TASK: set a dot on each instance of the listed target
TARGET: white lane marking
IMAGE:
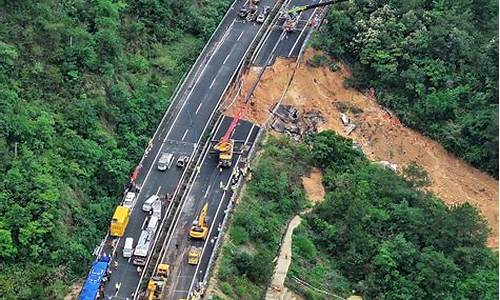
(185, 133)
(227, 57)
(303, 30)
(199, 105)
(118, 286)
(144, 223)
(207, 191)
(213, 81)
(249, 134)
(158, 191)
(239, 37)
(282, 37)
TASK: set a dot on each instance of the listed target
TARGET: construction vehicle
(157, 283)
(292, 15)
(194, 255)
(199, 230)
(119, 221)
(225, 146)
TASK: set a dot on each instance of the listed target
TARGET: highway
(212, 186)
(289, 45)
(180, 132)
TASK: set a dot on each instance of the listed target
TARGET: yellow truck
(194, 255)
(120, 221)
(157, 284)
(225, 148)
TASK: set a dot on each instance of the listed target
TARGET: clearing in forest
(381, 136)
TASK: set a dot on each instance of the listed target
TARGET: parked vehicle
(182, 161)
(165, 161)
(261, 18)
(142, 249)
(243, 13)
(128, 248)
(129, 200)
(119, 221)
(95, 279)
(152, 224)
(148, 204)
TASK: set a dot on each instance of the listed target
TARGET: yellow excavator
(194, 255)
(157, 283)
(199, 230)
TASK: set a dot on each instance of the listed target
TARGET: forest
(377, 233)
(433, 63)
(83, 85)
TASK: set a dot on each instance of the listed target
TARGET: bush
(318, 60)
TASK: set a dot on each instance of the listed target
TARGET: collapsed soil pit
(377, 132)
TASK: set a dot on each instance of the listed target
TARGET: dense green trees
(82, 87)
(376, 234)
(435, 63)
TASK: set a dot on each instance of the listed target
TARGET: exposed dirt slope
(380, 136)
(313, 186)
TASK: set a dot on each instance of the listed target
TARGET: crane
(225, 146)
(199, 230)
(291, 14)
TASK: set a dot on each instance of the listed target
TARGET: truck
(156, 208)
(120, 221)
(165, 161)
(194, 255)
(157, 283)
(142, 249)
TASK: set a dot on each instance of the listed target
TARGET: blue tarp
(93, 281)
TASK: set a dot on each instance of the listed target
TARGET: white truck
(142, 248)
(165, 161)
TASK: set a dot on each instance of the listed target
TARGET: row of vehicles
(251, 12)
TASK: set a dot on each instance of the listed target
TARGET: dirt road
(381, 136)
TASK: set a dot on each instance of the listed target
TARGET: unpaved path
(380, 136)
(277, 290)
(315, 193)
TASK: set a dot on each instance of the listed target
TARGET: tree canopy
(82, 86)
(435, 63)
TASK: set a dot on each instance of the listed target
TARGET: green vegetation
(375, 233)
(82, 86)
(270, 199)
(435, 63)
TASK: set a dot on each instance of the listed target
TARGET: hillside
(82, 86)
(434, 63)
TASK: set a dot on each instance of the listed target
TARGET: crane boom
(298, 9)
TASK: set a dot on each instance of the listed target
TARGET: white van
(128, 248)
(152, 224)
(129, 200)
(165, 161)
(149, 203)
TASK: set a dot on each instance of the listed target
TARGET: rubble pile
(289, 121)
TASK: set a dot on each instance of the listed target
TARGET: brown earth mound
(380, 135)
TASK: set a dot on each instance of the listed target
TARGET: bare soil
(74, 291)
(313, 186)
(381, 136)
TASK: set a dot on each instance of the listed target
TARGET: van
(165, 161)
(148, 204)
(152, 224)
(128, 201)
(128, 248)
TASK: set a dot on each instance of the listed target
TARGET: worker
(176, 246)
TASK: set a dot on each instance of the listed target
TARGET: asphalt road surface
(289, 44)
(213, 186)
(179, 133)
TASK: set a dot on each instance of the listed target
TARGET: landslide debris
(322, 93)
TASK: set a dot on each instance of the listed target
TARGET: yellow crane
(199, 230)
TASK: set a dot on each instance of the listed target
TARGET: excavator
(199, 230)
(292, 14)
(157, 283)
